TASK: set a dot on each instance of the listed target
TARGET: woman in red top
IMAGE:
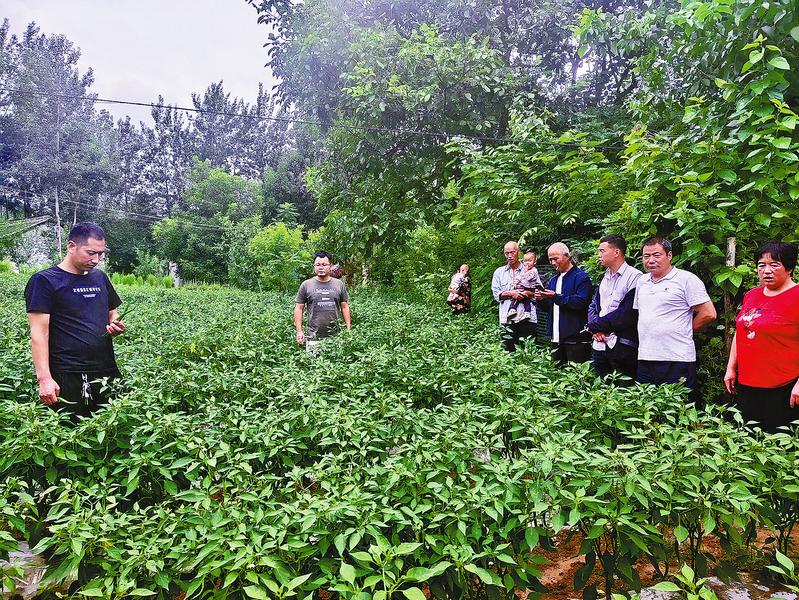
(763, 368)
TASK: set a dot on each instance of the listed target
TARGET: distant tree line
(64, 157)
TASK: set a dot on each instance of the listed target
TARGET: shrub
(148, 264)
(281, 257)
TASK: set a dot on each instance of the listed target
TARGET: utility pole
(58, 160)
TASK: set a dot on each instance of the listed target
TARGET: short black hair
(784, 252)
(81, 232)
(617, 241)
(322, 254)
(655, 240)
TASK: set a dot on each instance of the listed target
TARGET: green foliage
(5, 266)
(151, 280)
(375, 191)
(723, 160)
(242, 268)
(281, 257)
(213, 193)
(214, 225)
(129, 242)
(231, 464)
(711, 364)
(148, 264)
(787, 570)
(284, 183)
(197, 245)
(690, 586)
(541, 188)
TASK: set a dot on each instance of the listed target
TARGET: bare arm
(731, 375)
(345, 312)
(703, 315)
(298, 310)
(40, 351)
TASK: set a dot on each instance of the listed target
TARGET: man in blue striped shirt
(612, 320)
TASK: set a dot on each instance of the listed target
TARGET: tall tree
(168, 151)
(61, 152)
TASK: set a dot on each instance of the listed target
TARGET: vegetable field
(413, 458)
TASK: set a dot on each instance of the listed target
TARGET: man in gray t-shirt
(671, 305)
(325, 297)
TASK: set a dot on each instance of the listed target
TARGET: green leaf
(257, 592)
(761, 219)
(298, 581)
(339, 542)
(91, 592)
(362, 556)
(595, 532)
(785, 562)
(348, 573)
(680, 534)
(666, 586)
(779, 62)
(420, 574)
(485, 576)
(141, 592)
(531, 536)
(783, 143)
(413, 593)
(162, 580)
(406, 548)
(795, 33)
(180, 463)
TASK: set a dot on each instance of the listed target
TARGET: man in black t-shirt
(72, 312)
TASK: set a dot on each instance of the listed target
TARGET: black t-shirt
(78, 306)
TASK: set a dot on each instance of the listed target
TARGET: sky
(141, 48)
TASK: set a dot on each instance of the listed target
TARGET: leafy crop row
(413, 454)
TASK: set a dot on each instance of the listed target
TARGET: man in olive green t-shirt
(325, 297)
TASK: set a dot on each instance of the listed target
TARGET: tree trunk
(58, 160)
(58, 225)
(174, 273)
(729, 308)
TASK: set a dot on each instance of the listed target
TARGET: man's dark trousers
(579, 352)
(619, 359)
(513, 334)
(659, 372)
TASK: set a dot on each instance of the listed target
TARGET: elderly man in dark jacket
(566, 300)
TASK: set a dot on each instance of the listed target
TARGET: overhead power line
(366, 128)
(145, 217)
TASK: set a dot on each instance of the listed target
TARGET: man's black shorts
(82, 393)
